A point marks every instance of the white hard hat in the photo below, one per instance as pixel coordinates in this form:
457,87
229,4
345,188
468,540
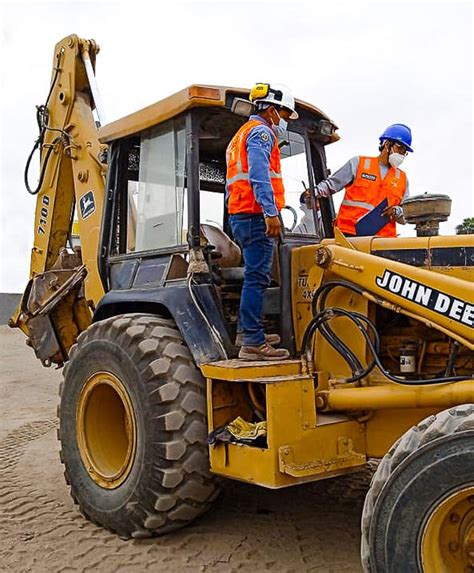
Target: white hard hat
274,94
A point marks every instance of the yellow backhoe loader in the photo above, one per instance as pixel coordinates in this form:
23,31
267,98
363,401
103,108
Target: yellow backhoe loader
155,408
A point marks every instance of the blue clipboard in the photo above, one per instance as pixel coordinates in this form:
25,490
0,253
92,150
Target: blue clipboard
371,223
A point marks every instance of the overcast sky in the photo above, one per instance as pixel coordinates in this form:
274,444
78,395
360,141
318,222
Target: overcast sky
365,64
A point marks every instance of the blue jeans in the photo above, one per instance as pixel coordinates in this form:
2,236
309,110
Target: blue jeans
257,252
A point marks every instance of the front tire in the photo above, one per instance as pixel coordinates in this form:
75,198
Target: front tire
133,427
418,515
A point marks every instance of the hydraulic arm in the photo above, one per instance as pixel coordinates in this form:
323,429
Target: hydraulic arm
438,301
442,302
64,281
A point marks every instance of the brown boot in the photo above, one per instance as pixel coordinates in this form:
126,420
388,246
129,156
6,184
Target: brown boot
263,352
272,339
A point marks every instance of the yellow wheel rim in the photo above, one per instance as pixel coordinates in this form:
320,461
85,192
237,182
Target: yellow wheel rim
448,537
106,430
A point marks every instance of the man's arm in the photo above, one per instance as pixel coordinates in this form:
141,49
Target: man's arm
399,215
259,148
342,178
396,211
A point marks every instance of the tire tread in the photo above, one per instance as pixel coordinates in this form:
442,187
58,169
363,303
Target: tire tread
453,420
183,487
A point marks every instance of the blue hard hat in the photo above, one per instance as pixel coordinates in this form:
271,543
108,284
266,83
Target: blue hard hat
398,132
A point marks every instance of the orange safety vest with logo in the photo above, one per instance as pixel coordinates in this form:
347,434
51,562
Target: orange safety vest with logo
241,196
367,191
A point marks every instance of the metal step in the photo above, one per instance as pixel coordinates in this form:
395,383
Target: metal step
254,371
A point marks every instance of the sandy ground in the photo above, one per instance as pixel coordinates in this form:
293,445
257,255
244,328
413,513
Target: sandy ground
307,528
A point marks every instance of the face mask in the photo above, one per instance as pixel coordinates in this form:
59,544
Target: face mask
396,159
281,126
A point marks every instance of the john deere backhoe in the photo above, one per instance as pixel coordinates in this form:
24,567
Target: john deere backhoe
142,314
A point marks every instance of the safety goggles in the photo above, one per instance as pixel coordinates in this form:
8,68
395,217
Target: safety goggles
400,148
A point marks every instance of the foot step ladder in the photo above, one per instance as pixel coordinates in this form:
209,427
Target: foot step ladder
301,444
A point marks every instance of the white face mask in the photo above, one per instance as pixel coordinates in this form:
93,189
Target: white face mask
396,159
281,126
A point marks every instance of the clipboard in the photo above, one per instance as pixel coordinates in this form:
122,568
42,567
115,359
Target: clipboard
371,223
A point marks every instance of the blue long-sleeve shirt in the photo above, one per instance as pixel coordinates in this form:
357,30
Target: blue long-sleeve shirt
260,142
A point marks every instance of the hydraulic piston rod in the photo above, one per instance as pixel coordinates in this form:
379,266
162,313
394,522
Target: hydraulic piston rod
93,82
397,396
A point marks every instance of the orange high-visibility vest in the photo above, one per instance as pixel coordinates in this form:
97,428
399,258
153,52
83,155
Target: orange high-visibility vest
241,196
367,191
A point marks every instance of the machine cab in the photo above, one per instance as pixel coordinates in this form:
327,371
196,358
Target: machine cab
166,199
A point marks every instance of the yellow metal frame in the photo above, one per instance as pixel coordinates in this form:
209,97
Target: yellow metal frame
192,96
73,169
301,445
318,425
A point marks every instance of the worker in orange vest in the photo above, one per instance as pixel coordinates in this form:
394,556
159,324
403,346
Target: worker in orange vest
255,197
375,187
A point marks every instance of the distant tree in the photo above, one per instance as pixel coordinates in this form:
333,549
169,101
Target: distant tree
466,227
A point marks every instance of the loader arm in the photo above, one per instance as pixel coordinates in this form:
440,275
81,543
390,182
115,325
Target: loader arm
65,283
439,301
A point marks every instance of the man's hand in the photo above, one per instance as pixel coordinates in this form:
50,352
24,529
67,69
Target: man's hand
395,212
273,226
390,212
306,197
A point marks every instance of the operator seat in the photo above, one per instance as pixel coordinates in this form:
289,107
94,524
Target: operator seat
228,251
229,255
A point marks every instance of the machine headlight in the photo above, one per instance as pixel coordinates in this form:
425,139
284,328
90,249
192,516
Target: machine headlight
325,127
242,107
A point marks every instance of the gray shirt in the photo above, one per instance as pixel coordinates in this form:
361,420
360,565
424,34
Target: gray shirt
306,225
345,176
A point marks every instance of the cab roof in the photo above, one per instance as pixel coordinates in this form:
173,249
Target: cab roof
196,95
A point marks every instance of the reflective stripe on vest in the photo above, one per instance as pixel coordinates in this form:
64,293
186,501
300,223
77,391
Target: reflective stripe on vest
241,196
367,192
361,204
245,177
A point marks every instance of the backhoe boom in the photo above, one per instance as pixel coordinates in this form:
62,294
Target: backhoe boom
65,283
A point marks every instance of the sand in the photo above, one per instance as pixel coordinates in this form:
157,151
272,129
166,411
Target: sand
314,527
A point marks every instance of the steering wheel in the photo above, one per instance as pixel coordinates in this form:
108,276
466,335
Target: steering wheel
295,217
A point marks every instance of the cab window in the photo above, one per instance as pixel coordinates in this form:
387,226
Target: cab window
294,170
156,196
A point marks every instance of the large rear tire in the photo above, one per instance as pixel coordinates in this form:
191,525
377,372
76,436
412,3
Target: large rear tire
133,427
418,515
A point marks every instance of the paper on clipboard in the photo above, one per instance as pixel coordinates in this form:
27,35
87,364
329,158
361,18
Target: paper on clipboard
371,223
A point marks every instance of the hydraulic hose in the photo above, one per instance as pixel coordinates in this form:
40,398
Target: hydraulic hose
42,118
320,320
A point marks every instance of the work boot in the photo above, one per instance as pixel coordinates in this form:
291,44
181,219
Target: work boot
269,339
263,352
